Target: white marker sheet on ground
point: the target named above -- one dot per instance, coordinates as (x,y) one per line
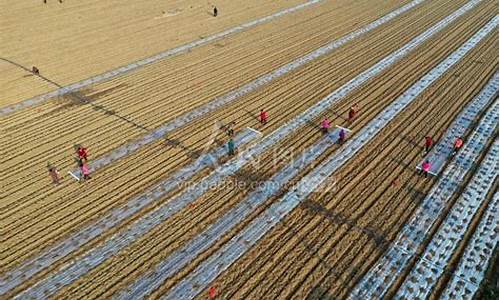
(220,101)
(208,270)
(70,272)
(135,65)
(380,278)
(441,152)
(148,282)
(117,215)
(77,178)
(472,267)
(432,263)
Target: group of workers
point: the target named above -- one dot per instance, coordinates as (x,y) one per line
(325,125)
(429,142)
(353,111)
(263,118)
(82,160)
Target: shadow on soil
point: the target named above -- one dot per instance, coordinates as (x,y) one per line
(193,154)
(340,219)
(416,196)
(84,97)
(400,162)
(252,116)
(319,293)
(411,141)
(249,178)
(28,70)
(337,115)
(313,125)
(78,98)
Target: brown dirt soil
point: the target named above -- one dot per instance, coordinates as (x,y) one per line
(326,244)
(75,40)
(329,242)
(19,206)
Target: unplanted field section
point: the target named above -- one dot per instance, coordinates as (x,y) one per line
(72,41)
(209,121)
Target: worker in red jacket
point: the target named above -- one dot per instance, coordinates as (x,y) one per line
(263,116)
(428,144)
(82,152)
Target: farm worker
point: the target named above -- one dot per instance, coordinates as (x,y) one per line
(82,152)
(263,117)
(426,167)
(457,145)
(341,136)
(54,174)
(84,169)
(230,147)
(428,144)
(352,112)
(325,125)
(229,129)
(215,11)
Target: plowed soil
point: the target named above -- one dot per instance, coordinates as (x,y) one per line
(325,245)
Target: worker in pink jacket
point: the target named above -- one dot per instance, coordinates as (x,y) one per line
(84,169)
(457,145)
(426,167)
(325,125)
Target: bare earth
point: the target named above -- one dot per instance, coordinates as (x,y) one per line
(325,245)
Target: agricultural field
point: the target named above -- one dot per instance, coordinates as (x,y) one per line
(156,91)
